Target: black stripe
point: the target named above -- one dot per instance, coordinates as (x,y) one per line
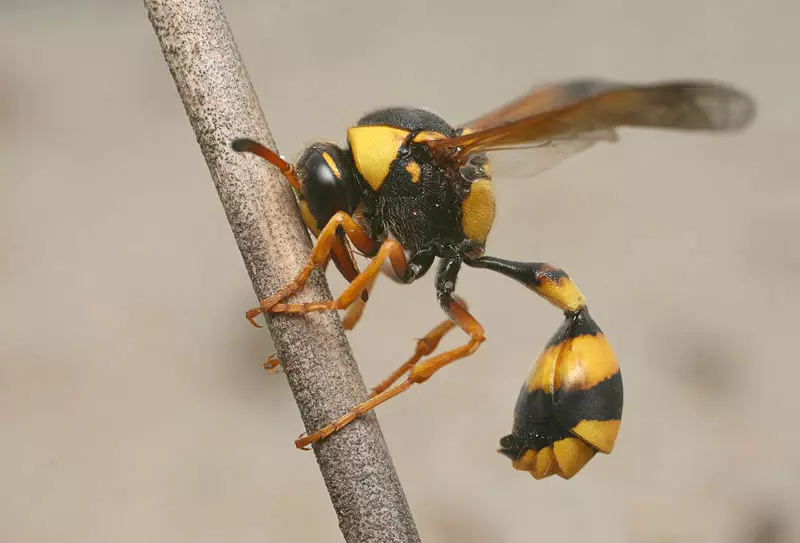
(538,424)
(601,402)
(575,325)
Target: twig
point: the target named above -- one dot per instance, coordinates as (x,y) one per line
(219,99)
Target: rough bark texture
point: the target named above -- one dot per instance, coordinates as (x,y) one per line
(221,104)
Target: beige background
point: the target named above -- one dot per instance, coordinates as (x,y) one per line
(132,400)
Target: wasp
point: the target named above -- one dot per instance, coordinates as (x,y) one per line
(410,190)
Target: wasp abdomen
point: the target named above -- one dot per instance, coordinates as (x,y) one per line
(571,405)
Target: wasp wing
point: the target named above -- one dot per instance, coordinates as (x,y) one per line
(554,122)
(540,100)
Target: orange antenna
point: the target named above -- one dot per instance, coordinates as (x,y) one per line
(250,146)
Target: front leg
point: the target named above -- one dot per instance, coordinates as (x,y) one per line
(418,265)
(320,254)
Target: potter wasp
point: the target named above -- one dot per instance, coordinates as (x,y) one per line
(410,189)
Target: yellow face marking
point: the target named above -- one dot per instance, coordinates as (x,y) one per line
(602,434)
(541,375)
(308,218)
(477,211)
(332,165)
(374,149)
(414,170)
(564,293)
(583,362)
(572,454)
(427,135)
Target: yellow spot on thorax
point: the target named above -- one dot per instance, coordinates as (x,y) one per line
(427,135)
(414,170)
(478,211)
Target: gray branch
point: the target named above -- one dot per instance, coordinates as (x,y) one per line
(221,104)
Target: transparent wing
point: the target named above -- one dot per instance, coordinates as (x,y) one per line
(557,121)
(541,99)
(534,158)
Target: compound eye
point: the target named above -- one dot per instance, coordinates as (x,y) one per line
(328,185)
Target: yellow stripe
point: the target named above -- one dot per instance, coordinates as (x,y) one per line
(427,135)
(564,293)
(602,434)
(583,362)
(546,464)
(572,454)
(541,375)
(332,165)
(478,211)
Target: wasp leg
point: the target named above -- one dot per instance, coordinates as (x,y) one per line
(423,370)
(354,312)
(319,257)
(406,270)
(340,252)
(273,365)
(425,346)
(390,249)
(418,264)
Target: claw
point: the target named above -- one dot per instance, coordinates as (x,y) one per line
(251,315)
(302,442)
(273,365)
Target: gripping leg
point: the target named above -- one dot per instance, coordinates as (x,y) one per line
(425,346)
(319,257)
(570,406)
(420,371)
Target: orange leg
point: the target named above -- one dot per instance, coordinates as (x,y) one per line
(353,314)
(319,257)
(390,249)
(273,365)
(419,373)
(425,346)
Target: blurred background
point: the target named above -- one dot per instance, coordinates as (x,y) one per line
(133,403)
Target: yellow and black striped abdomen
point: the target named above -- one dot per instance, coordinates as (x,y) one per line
(571,404)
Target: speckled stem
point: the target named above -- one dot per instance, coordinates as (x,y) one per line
(221,104)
